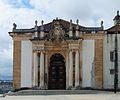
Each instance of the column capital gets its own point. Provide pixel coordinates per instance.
(35, 51)
(73, 50)
(77, 50)
(38, 51)
(43, 51)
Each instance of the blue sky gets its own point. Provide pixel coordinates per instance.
(25, 12)
(20, 3)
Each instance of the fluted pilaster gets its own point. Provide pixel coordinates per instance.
(41, 70)
(77, 68)
(67, 71)
(71, 69)
(35, 70)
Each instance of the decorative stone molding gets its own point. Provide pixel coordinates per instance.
(38, 48)
(74, 46)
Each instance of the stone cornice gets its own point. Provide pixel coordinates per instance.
(19, 37)
(99, 35)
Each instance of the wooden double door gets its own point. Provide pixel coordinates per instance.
(57, 73)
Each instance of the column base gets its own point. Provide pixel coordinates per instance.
(77, 87)
(35, 88)
(73, 88)
(42, 88)
(69, 87)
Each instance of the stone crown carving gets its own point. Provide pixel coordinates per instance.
(57, 33)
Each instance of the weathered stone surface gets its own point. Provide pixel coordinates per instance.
(98, 63)
(62, 44)
(17, 64)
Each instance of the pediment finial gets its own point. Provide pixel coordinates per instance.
(14, 26)
(102, 25)
(70, 21)
(36, 22)
(118, 13)
(56, 18)
(77, 21)
(77, 27)
(42, 22)
(42, 27)
(70, 24)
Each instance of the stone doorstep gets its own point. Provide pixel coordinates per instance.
(55, 92)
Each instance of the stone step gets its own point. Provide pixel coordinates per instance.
(55, 92)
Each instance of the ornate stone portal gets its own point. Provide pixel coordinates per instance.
(61, 76)
(55, 56)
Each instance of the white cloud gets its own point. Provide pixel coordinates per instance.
(24, 17)
(85, 10)
(89, 12)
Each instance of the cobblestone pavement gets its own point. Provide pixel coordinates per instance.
(106, 96)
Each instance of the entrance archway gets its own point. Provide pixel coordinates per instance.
(57, 72)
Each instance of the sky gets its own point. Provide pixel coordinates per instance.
(25, 12)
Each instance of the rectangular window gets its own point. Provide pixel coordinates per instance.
(112, 57)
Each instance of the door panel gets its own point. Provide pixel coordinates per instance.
(57, 74)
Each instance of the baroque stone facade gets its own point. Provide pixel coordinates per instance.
(58, 55)
(66, 55)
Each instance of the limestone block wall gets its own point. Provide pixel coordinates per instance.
(16, 64)
(98, 63)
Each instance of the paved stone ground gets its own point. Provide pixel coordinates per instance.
(104, 96)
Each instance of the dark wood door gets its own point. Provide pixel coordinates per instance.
(57, 74)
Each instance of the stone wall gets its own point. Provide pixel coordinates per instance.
(98, 63)
(17, 64)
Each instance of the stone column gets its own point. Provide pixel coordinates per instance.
(46, 70)
(67, 71)
(77, 68)
(35, 70)
(71, 69)
(42, 70)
